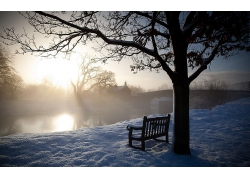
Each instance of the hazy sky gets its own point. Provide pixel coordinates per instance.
(32, 68)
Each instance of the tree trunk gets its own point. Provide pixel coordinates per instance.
(181, 102)
(181, 117)
(181, 88)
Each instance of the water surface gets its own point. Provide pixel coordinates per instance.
(64, 121)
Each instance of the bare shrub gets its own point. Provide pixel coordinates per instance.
(214, 91)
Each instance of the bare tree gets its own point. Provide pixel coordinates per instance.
(91, 77)
(103, 81)
(163, 87)
(136, 89)
(43, 91)
(10, 81)
(215, 89)
(153, 40)
(13, 85)
(5, 64)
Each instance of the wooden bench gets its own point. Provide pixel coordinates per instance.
(152, 128)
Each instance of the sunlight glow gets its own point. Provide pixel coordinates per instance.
(64, 123)
(58, 71)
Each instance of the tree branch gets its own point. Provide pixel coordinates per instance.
(150, 17)
(152, 34)
(101, 35)
(189, 24)
(162, 62)
(204, 64)
(166, 35)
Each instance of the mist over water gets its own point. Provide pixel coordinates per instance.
(36, 116)
(35, 124)
(53, 115)
(41, 112)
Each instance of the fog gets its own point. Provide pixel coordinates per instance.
(42, 111)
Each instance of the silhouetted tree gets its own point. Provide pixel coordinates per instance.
(153, 40)
(45, 90)
(103, 80)
(10, 81)
(91, 77)
(215, 88)
(136, 89)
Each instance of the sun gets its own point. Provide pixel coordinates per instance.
(59, 71)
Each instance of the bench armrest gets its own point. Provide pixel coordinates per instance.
(134, 127)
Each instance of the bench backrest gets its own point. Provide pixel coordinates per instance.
(155, 127)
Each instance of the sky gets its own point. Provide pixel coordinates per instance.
(33, 68)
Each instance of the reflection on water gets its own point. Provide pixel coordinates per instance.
(36, 123)
(45, 123)
(64, 122)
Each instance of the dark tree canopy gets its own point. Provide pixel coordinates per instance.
(146, 37)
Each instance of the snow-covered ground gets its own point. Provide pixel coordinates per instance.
(218, 137)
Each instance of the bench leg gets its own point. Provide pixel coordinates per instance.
(167, 138)
(129, 137)
(143, 145)
(130, 141)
